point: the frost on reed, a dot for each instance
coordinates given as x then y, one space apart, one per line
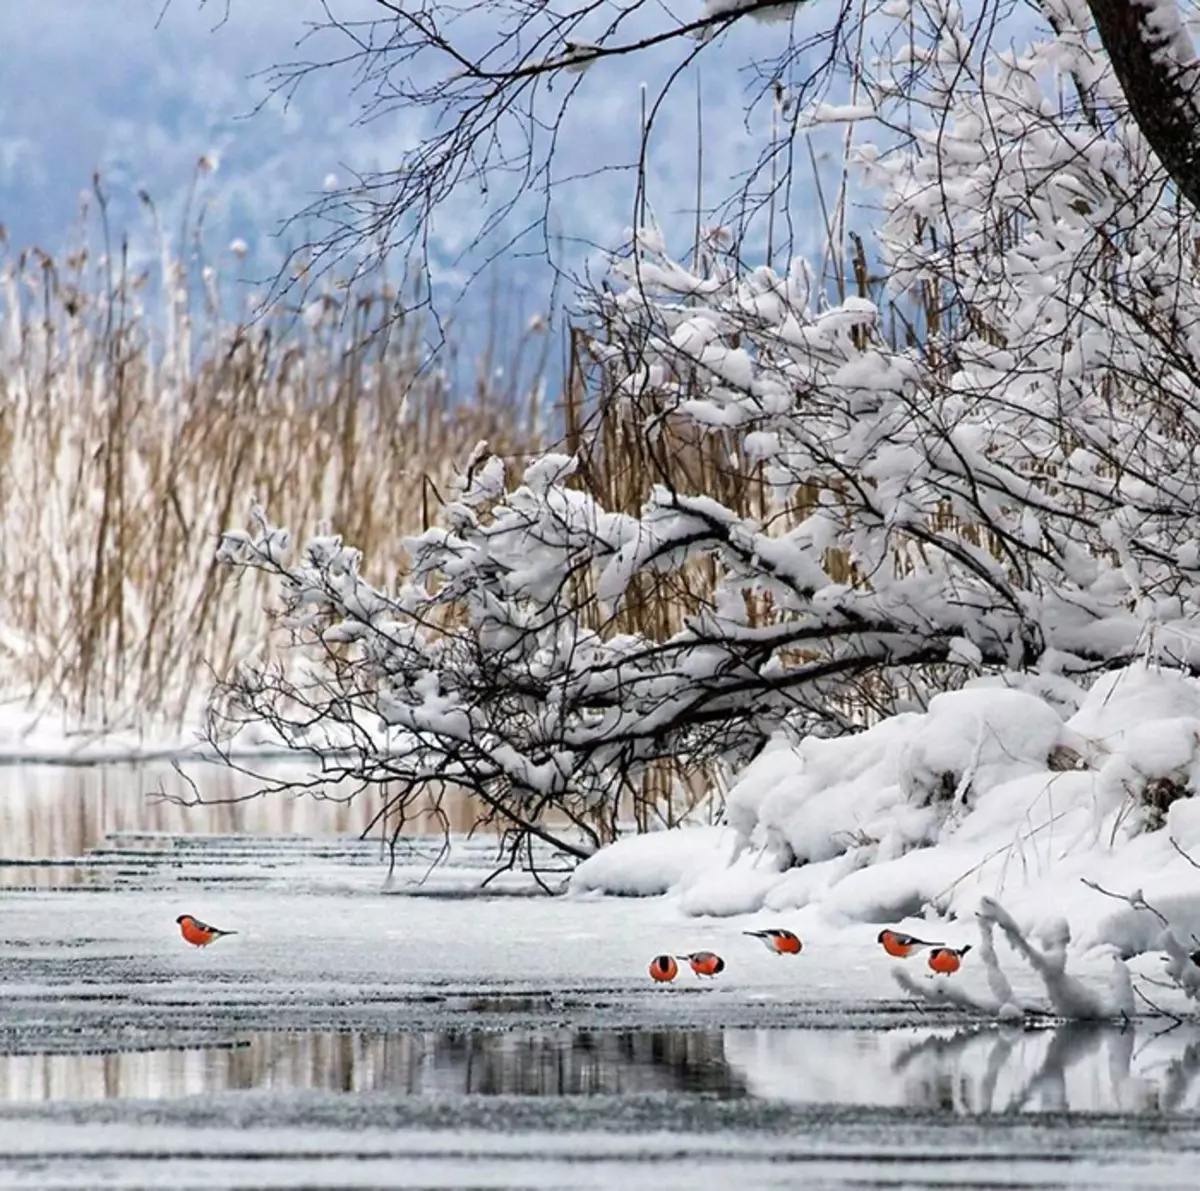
137 422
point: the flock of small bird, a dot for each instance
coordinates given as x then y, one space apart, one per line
664 968
942 959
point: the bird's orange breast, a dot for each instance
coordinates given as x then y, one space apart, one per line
194 934
944 962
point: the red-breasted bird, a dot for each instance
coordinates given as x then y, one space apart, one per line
782 942
704 963
945 960
663 968
900 945
198 933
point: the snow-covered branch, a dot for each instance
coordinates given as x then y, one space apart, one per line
1068 997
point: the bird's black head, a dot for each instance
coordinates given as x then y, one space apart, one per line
880 937
1195 958
180 919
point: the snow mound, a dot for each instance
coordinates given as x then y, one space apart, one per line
990 794
652 864
1127 699
974 740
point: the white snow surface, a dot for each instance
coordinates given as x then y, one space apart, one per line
646 865
992 793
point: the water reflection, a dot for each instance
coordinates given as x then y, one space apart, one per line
66 813
566 1063
1077 1068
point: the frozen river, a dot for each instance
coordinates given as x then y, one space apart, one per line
418 1036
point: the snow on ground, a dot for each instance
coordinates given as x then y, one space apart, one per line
645 865
1017 795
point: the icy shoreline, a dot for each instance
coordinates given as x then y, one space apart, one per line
992 793
30 737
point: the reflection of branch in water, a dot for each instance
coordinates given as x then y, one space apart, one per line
940 1049
1070 1043
1180 1073
939 1046
987 1052
997 1059
1120 1061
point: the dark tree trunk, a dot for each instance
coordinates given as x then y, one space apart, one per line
1161 96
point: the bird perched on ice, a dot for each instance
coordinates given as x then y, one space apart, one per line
663 968
198 933
782 942
945 960
704 963
900 945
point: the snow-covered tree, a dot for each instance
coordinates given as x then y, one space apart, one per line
991 462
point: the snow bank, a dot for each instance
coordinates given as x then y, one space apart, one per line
1018 795
652 864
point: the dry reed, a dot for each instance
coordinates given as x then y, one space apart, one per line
134 430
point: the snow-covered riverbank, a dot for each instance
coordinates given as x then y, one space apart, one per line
1010 794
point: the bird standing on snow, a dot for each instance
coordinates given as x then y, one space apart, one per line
901 945
198 933
704 963
663 968
945 960
782 942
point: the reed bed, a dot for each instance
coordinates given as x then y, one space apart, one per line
135 428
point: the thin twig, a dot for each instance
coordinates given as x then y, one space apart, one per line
1136 901
1157 1008
1175 844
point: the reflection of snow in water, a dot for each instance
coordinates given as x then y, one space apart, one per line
1078 1067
